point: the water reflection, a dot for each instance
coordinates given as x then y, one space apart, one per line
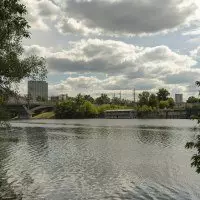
150 190
37 139
163 137
105 161
6 190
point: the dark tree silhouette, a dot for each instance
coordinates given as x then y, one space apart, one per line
195 144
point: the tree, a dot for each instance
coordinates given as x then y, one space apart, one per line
103 99
193 99
79 99
153 101
163 94
88 98
163 104
66 109
144 98
89 109
116 101
171 102
70 109
14 65
195 144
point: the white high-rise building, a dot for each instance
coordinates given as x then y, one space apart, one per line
179 98
38 90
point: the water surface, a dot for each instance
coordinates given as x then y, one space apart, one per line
97 159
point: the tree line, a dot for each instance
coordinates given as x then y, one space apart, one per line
150 101
85 106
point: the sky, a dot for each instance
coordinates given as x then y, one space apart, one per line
108 46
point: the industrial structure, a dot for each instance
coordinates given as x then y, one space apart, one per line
38 90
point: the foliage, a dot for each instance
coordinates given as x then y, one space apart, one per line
78 107
153 101
193 99
116 101
144 98
171 102
14 66
145 108
88 98
89 110
103 99
163 94
163 104
195 145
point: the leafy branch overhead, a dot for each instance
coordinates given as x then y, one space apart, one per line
14 66
195 144
13 29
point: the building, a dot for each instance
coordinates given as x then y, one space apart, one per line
179 98
38 90
120 114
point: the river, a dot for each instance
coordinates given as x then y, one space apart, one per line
97 159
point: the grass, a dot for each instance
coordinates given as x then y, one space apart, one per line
45 115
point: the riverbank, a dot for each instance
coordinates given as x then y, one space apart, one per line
126 114
45 115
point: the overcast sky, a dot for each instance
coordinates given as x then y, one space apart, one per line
95 46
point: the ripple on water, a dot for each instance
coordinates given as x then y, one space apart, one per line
148 190
98 159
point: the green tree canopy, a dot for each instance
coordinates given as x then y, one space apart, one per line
103 99
144 98
163 104
13 29
193 99
89 98
171 102
163 94
116 101
153 101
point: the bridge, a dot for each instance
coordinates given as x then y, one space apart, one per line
20 107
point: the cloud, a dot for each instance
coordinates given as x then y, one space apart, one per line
95 86
192 32
184 77
125 17
195 53
106 65
75 85
114 58
39 11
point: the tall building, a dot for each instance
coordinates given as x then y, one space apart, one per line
179 98
38 90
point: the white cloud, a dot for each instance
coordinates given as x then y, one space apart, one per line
192 32
195 53
126 17
39 11
108 65
114 58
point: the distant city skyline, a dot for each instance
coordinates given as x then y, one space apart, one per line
110 45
